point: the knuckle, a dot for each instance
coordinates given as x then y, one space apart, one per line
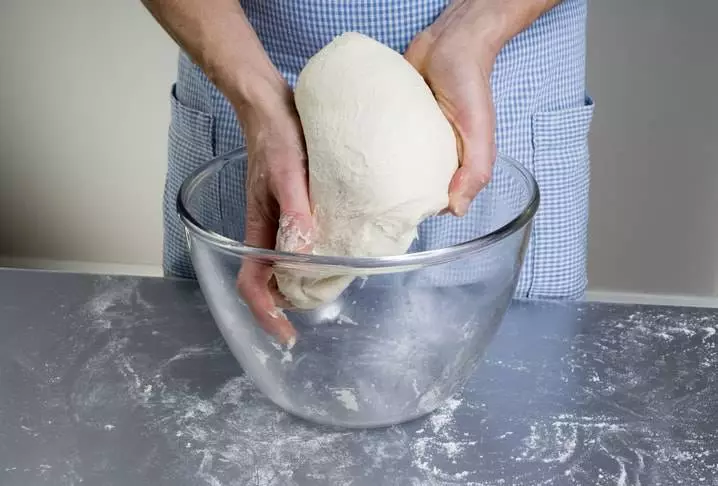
254 226
482 175
292 219
478 176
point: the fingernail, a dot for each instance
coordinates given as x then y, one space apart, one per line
287 338
277 313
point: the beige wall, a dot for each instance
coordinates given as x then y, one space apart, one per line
83 115
83 121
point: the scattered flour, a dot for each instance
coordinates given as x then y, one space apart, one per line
347 398
342 319
710 332
434 453
236 436
550 443
445 415
112 297
261 355
286 353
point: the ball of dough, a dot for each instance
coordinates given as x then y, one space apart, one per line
381 155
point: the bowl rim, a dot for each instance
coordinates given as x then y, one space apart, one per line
419 259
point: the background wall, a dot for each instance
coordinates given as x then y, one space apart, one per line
84 105
654 219
84 110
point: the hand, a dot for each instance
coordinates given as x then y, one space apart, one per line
456 65
278 209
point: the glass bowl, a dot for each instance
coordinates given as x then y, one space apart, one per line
408 331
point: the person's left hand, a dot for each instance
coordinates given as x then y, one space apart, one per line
456 65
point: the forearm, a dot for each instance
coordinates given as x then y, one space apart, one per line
218 37
499 21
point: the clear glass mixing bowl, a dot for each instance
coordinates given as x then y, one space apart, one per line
405 335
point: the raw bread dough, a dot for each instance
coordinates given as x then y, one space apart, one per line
381 155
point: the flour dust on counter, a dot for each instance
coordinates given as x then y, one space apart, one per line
127 381
237 433
129 371
641 387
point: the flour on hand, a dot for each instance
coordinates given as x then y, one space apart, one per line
381 155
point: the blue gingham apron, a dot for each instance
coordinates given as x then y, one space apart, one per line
543 118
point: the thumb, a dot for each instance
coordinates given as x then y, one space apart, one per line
473 120
296 224
254 279
417 51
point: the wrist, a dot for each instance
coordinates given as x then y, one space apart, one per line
258 93
476 27
264 105
490 32
250 84
235 61
490 27
496 22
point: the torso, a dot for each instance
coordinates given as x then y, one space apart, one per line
538 85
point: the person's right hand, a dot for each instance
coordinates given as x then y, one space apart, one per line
219 37
277 203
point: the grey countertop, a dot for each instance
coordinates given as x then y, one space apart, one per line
126 381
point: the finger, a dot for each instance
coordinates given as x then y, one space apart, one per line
279 299
472 176
295 233
417 51
296 224
252 285
473 122
253 281
288 181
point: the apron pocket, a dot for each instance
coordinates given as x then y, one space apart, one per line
190 144
561 168
191 131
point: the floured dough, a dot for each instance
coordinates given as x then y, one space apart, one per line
381 155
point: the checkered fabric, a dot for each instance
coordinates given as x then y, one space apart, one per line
543 118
